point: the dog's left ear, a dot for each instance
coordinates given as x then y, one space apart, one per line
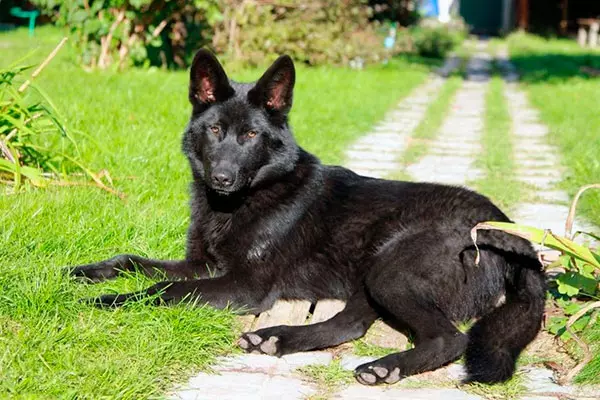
274 90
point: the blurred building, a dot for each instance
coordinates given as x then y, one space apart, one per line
494 17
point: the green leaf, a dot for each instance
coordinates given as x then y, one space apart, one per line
542 237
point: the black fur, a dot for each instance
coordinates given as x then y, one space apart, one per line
270 222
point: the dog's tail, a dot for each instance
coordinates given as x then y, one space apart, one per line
497 339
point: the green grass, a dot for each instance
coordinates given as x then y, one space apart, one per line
430 125
496 160
568 102
328 378
362 348
514 388
52 346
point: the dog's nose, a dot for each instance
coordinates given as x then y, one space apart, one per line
222 178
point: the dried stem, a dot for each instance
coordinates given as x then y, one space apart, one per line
587 354
571 216
108 38
39 69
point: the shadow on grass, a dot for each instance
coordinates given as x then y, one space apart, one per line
556 68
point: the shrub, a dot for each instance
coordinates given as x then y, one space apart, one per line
245 32
318 32
435 40
135 32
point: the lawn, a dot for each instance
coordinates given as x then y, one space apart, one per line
554 76
52 346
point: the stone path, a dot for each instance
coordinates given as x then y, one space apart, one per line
377 155
452 154
450 160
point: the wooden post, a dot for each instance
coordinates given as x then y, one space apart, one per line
507 12
523 14
594 30
564 22
582 36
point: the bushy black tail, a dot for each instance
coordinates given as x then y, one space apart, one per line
497 339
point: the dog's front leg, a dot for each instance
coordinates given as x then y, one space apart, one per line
220 292
112 267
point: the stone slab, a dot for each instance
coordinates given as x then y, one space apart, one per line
240 385
359 392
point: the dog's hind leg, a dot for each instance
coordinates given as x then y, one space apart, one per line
111 268
414 280
437 342
350 323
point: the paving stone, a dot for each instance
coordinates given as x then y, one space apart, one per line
377 148
370 155
540 380
456 372
240 385
360 392
371 173
552 174
298 360
553 196
252 363
374 164
526 128
458 152
536 163
536 148
388 138
522 154
548 216
539 398
350 362
382 335
539 182
460 145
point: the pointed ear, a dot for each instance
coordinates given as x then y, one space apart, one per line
208 81
274 90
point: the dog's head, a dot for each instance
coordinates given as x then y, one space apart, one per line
238 136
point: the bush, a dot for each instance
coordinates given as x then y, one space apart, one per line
245 32
318 32
135 32
435 40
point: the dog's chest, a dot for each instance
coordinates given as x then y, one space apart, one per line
255 239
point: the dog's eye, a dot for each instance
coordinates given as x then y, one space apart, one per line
251 134
215 129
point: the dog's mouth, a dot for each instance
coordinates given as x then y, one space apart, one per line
223 192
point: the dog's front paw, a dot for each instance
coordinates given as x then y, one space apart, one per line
92 272
106 301
377 372
254 342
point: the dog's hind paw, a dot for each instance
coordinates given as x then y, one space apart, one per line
374 374
253 343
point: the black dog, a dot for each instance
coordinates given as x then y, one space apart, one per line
270 222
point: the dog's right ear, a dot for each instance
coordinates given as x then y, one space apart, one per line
208 81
